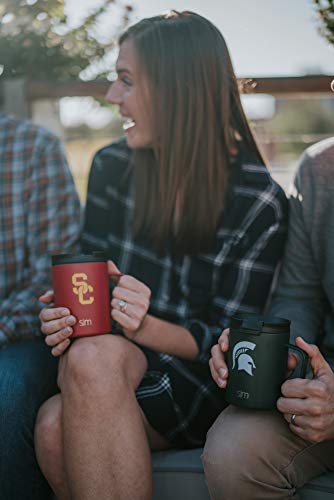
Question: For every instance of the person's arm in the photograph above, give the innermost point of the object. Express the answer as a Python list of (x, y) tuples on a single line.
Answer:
[(143, 328), (299, 296), (163, 336), (243, 270), (244, 278), (52, 226)]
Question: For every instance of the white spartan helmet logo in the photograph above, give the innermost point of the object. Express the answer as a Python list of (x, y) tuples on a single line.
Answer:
[(245, 361)]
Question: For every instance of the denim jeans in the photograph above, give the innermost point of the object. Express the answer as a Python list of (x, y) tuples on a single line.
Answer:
[(28, 376)]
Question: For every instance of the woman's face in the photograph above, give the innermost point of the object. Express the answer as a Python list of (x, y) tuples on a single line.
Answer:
[(130, 93)]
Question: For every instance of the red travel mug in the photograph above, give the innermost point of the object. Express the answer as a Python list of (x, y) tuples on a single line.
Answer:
[(81, 283)]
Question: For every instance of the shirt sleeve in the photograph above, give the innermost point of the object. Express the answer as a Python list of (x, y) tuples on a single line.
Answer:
[(248, 262), (300, 296), (53, 219)]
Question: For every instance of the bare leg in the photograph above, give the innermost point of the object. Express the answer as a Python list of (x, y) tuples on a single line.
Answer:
[(49, 446), (99, 428), (155, 440)]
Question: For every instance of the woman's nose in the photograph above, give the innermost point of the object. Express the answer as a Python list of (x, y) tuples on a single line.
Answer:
[(113, 95)]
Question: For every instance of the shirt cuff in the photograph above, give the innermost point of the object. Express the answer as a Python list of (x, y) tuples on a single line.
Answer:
[(205, 337)]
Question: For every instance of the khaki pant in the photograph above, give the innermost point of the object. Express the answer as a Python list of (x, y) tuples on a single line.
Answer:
[(252, 454)]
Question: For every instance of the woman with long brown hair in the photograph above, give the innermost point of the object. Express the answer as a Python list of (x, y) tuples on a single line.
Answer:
[(187, 211)]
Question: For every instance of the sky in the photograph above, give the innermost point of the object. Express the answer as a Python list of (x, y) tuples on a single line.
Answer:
[(265, 37)]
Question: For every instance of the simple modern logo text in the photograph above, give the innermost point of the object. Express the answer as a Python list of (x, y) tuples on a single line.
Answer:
[(85, 322), (242, 395)]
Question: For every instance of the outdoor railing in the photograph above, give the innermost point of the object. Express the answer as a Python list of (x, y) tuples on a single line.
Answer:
[(315, 84), (18, 96)]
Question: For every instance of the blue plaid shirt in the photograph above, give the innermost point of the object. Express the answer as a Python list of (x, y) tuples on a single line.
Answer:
[(39, 215), (199, 292)]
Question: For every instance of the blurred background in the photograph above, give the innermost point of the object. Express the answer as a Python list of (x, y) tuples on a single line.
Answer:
[(57, 60)]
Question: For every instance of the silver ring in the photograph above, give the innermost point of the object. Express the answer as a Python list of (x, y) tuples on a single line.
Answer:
[(293, 419), (122, 305)]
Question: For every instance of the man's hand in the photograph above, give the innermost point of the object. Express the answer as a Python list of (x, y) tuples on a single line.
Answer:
[(217, 362), (56, 324), (311, 401)]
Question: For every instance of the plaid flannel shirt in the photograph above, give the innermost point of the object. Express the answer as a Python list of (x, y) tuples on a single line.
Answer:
[(199, 292), (39, 215)]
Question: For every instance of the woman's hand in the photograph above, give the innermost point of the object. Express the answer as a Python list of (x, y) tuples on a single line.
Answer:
[(130, 301), (217, 362), (56, 324)]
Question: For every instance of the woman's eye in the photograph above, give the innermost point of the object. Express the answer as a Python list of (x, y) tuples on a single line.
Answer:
[(126, 82)]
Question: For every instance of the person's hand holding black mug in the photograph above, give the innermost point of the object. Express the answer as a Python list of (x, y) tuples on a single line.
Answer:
[(218, 366), (306, 404), (257, 360)]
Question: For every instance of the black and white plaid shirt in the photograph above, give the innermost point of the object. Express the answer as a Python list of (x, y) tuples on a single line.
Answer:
[(200, 292)]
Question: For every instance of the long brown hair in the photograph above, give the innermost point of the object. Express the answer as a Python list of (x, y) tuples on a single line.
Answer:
[(198, 120)]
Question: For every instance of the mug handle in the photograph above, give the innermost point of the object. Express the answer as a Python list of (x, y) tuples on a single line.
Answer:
[(301, 368)]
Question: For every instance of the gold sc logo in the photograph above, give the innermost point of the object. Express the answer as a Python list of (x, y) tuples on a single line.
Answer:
[(81, 288)]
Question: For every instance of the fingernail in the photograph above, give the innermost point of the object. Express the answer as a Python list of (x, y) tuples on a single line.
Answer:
[(67, 331), (221, 382), (70, 320), (65, 312), (222, 372)]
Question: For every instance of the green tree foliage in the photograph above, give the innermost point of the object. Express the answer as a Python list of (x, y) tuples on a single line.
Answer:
[(299, 116), (37, 42), (299, 122), (325, 10)]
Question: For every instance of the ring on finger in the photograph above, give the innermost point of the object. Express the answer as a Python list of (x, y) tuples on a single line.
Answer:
[(293, 419), (122, 305)]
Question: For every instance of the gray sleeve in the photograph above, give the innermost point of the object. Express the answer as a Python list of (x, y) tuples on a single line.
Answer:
[(299, 296)]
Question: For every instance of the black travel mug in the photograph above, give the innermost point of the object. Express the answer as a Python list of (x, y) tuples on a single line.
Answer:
[(257, 360)]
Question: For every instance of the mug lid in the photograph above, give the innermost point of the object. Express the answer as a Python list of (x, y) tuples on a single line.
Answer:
[(70, 258), (258, 323)]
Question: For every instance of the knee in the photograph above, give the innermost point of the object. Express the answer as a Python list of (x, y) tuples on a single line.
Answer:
[(48, 431), (224, 447), (95, 362), (227, 445), (229, 458), (243, 448), (244, 436)]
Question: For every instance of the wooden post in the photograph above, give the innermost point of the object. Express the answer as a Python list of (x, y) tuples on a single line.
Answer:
[(45, 113), (15, 98)]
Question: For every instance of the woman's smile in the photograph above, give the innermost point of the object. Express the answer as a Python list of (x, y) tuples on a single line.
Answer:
[(129, 124), (129, 92)]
